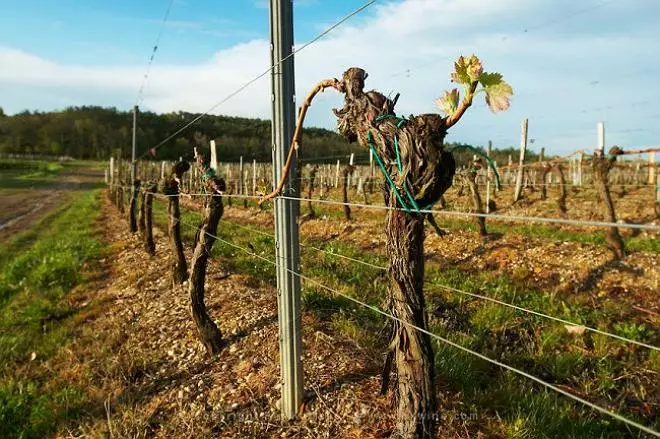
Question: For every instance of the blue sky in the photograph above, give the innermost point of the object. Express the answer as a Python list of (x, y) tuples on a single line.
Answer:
[(571, 63), (90, 32)]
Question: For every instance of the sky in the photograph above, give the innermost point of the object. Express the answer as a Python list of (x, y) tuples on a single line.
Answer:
[(571, 63)]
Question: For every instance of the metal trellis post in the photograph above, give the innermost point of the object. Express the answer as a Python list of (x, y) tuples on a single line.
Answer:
[(286, 210)]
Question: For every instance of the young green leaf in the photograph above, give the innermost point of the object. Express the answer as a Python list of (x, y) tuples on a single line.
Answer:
[(460, 74), (467, 70), (448, 103), (490, 79)]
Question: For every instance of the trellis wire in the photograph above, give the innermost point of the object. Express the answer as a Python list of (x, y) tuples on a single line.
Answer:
[(448, 213), (456, 214), (444, 340), (145, 78), (264, 73), (490, 215), (456, 290)]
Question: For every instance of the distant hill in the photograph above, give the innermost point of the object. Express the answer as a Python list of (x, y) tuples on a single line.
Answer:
[(92, 132)]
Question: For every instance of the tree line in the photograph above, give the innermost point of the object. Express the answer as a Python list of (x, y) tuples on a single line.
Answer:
[(92, 132)]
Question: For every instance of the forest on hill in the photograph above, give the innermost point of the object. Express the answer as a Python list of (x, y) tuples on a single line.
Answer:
[(92, 132)]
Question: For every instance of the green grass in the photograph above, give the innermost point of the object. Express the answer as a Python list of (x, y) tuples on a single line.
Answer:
[(29, 165), (17, 174), (43, 265), (24, 240), (598, 366)]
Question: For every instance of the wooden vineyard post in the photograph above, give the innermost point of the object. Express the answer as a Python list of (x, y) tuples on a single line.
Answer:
[(169, 186), (652, 165), (350, 175), (214, 156), (207, 330), (601, 165), (239, 188), (322, 181), (573, 171), (120, 187), (244, 187), (652, 171), (580, 163), (254, 178), (231, 184), (113, 189), (149, 245), (372, 170), (112, 170), (337, 176), (521, 163)]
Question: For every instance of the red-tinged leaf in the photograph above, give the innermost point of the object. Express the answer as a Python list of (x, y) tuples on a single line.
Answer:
[(474, 69), (497, 96)]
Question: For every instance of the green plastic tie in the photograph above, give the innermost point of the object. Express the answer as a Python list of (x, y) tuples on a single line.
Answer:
[(386, 174), (399, 124), (398, 154)]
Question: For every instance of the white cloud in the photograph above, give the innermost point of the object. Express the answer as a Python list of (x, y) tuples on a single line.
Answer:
[(409, 47)]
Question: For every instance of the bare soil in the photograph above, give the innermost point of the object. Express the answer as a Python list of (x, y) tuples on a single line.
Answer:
[(139, 359), (21, 207)]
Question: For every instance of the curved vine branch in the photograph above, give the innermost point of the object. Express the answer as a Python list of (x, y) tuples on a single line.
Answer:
[(466, 103), (297, 134)]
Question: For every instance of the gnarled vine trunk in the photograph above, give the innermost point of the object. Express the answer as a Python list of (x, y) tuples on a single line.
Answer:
[(348, 170), (413, 352), (310, 192), (418, 171), (431, 219), (120, 196), (141, 210), (544, 181), (207, 330), (561, 201), (601, 166), (132, 216), (170, 186), (179, 267), (149, 245), (471, 180)]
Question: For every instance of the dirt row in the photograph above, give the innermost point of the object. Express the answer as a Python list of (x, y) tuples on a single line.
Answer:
[(22, 207)]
